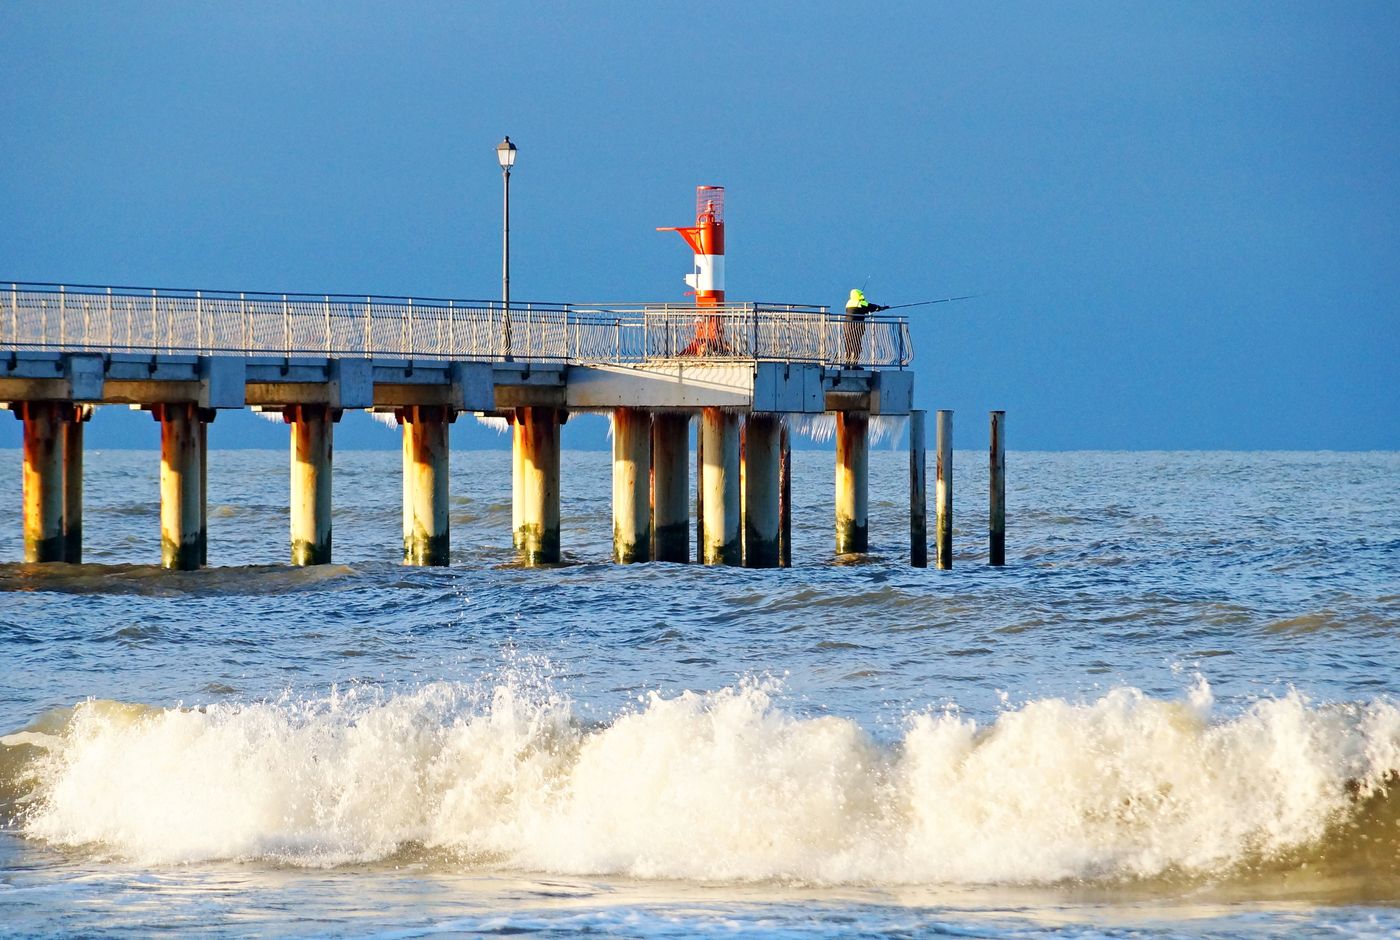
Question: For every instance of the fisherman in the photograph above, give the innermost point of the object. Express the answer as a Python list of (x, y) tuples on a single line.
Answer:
[(857, 309)]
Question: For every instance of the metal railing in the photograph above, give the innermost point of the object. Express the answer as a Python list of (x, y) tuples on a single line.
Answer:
[(196, 322)]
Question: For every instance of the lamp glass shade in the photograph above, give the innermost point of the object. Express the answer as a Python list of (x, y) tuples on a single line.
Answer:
[(505, 153)]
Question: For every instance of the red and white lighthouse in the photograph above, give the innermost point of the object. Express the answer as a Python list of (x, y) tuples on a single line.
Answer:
[(706, 239)]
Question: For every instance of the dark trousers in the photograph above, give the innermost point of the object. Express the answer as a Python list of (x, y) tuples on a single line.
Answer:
[(855, 338)]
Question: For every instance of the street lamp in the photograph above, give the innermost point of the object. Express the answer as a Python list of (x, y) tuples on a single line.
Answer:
[(505, 155)]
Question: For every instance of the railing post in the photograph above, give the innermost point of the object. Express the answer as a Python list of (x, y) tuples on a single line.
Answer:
[(199, 321), (244, 331), (451, 328), (109, 318), (286, 327), (369, 331), (62, 316), (408, 350), (328, 323)]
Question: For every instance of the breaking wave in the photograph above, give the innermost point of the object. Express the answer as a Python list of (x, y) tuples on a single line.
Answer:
[(725, 785)]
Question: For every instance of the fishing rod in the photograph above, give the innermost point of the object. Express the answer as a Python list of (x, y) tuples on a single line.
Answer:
[(925, 303)]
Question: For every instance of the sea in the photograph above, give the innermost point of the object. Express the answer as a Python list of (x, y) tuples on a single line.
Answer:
[(1174, 713)]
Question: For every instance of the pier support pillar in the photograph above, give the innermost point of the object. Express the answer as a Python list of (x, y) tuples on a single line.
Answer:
[(852, 481), (73, 483), (943, 498), (719, 481), (426, 537), (517, 476), (785, 500), (763, 459), (312, 432), (182, 485), (538, 532), (918, 493), (671, 496), (631, 477), (44, 491), (996, 516)]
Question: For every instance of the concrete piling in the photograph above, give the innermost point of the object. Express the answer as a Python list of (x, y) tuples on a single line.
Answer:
[(538, 533), (517, 476), (73, 483), (996, 519), (426, 536), (312, 432), (852, 481), (785, 500), (671, 472), (918, 493), (943, 496), (762, 491), (182, 486), (43, 479), (700, 488), (631, 478), (719, 482)]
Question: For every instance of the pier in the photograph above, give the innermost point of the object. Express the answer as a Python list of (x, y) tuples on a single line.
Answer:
[(186, 355)]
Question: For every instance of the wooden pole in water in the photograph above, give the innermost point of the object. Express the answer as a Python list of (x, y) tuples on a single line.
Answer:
[(631, 479), (996, 523), (426, 536), (852, 481), (43, 480), (943, 497), (671, 471), (785, 501), (918, 502)]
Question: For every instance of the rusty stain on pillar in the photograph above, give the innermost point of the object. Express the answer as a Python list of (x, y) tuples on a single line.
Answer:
[(43, 479), (426, 538), (719, 430), (852, 481), (785, 500), (763, 459), (631, 479), (73, 483), (182, 511), (671, 471), (539, 487), (313, 428)]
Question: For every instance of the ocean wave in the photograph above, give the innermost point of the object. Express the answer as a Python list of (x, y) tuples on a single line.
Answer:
[(726, 785)]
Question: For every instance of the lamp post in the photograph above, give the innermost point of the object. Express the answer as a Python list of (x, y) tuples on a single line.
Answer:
[(505, 155)]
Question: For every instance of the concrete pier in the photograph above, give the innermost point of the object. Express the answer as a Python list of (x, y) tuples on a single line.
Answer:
[(44, 430), (182, 486), (538, 533), (631, 479), (918, 493), (719, 483), (943, 495), (785, 500), (996, 516), (762, 491), (426, 538), (517, 476), (312, 431), (852, 481), (671, 488)]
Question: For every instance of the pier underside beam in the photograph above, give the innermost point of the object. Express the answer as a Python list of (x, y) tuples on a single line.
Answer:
[(538, 532), (312, 433), (182, 484), (43, 478), (762, 490), (852, 481), (671, 472), (426, 538), (631, 478), (719, 430)]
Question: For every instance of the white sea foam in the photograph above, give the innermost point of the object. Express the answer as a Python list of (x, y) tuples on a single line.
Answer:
[(721, 785)]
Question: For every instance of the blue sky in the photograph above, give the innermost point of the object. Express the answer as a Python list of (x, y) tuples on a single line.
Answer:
[(1183, 218)]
